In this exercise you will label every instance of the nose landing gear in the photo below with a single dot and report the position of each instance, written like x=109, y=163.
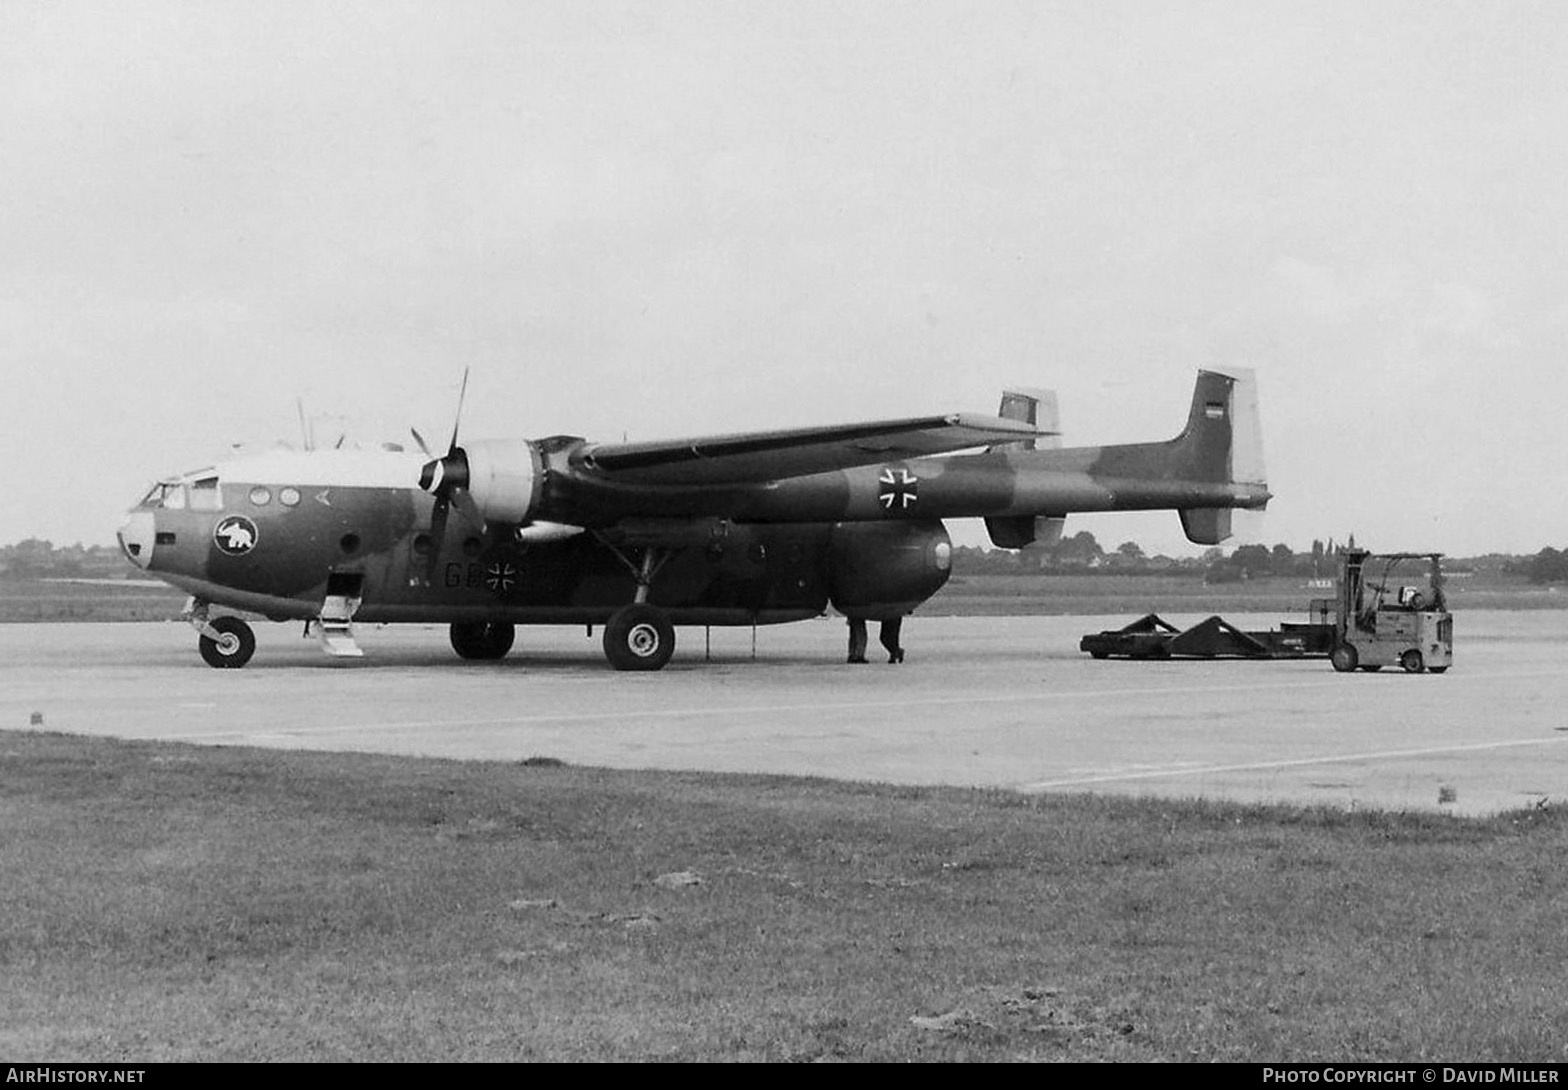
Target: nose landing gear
x=226, y=643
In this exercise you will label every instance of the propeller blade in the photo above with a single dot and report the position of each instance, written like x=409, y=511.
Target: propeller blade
x=438, y=515
x=467, y=507
x=462, y=393
x=446, y=478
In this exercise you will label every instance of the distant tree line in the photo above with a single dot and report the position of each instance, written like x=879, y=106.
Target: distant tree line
x=38, y=559
x=1081, y=553
x=1262, y=561
x=1545, y=567
x=35, y=558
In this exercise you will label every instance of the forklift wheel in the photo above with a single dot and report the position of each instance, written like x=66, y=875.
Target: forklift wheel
x=1412, y=662
x=1343, y=658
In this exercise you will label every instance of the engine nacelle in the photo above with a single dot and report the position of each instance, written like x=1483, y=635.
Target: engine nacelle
x=505, y=478
x=880, y=570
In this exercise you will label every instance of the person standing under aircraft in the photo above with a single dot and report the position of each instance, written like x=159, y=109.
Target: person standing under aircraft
x=857, y=640
x=889, y=637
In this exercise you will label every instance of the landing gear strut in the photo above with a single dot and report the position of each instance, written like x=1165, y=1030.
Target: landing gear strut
x=640, y=636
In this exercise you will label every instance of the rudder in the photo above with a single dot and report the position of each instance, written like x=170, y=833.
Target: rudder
x=1030, y=405
x=1224, y=437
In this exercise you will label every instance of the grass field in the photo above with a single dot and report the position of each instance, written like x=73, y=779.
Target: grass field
x=163, y=902
x=42, y=600
x=964, y=595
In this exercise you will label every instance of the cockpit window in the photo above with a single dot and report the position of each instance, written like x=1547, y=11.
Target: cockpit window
x=205, y=495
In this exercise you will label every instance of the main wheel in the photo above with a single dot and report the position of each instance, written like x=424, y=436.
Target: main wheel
x=1412, y=662
x=639, y=637
x=483, y=639
x=1343, y=657
x=235, y=644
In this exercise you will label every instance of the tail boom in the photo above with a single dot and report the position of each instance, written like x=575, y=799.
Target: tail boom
x=1214, y=465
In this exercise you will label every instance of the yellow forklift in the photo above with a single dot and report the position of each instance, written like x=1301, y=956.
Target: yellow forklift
x=1392, y=611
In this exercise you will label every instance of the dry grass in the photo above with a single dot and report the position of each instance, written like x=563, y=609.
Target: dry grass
x=36, y=601
x=162, y=902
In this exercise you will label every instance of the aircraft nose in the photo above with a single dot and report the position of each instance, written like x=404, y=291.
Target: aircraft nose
x=137, y=534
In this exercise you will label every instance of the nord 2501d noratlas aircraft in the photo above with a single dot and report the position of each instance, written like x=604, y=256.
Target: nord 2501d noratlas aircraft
x=749, y=529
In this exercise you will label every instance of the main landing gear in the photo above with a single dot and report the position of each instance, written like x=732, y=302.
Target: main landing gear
x=640, y=636
x=483, y=640
x=226, y=643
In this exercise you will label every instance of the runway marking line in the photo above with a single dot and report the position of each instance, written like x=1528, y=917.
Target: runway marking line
x=1264, y=766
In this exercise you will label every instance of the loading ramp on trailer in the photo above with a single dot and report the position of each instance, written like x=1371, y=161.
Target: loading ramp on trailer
x=1153, y=637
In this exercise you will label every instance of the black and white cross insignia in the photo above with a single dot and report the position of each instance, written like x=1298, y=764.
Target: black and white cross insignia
x=500, y=576
x=898, y=488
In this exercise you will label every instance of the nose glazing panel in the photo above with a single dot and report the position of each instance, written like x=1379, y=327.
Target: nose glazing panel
x=136, y=538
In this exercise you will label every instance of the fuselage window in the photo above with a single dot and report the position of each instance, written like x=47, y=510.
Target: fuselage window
x=174, y=497
x=205, y=495
x=288, y=496
x=261, y=495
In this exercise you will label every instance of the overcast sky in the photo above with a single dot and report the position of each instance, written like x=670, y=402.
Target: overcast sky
x=657, y=219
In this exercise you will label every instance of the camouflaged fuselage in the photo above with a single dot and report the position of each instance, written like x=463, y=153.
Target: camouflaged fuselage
x=278, y=533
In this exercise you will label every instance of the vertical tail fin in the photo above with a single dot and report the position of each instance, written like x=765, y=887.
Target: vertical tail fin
x=1031, y=405
x=1224, y=439
x=1036, y=406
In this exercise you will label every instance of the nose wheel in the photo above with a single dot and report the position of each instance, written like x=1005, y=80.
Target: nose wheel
x=227, y=643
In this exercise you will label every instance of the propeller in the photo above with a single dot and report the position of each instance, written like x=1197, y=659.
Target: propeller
x=446, y=479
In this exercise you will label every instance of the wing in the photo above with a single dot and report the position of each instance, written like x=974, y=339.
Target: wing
x=757, y=457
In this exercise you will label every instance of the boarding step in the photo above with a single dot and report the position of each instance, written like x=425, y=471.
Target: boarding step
x=335, y=626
